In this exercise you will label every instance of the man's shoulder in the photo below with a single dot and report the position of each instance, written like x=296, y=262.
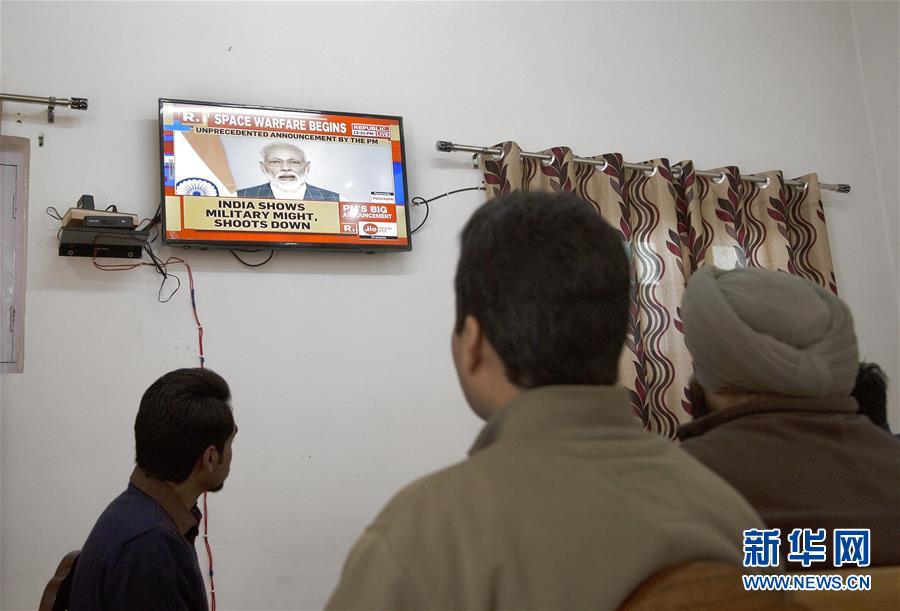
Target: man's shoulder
x=702, y=486
x=255, y=191
x=131, y=521
x=757, y=429
x=783, y=437
x=435, y=493
x=122, y=540
x=700, y=437
x=315, y=192
x=133, y=553
x=128, y=517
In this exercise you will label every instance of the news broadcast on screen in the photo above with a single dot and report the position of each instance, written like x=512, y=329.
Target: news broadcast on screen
x=280, y=178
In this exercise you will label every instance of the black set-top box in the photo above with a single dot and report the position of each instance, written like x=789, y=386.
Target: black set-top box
x=109, y=222
x=101, y=242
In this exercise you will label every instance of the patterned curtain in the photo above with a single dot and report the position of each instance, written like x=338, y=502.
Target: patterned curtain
x=672, y=224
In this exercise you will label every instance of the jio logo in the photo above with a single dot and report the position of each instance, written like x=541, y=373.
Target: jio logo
x=370, y=228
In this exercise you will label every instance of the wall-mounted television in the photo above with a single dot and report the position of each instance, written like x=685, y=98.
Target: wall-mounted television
x=238, y=176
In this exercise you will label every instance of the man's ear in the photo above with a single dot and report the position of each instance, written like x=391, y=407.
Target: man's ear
x=209, y=459
x=471, y=345
x=262, y=167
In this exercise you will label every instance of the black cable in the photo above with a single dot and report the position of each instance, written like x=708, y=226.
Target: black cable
x=151, y=227
x=163, y=284
x=157, y=262
x=418, y=201
x=478, y=188
x=153, y=221
x=160, y=265
x=269, y=258
x=163, y=270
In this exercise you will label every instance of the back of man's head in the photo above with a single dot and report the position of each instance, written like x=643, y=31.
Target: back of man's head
x=870, y=393
x=181, y=414
x=547, y=279
x=762, y=331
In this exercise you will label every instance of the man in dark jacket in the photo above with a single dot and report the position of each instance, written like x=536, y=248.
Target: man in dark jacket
x=140, y=554
x=775, y=359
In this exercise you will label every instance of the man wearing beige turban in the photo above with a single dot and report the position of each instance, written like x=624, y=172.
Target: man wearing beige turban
x=775, y=359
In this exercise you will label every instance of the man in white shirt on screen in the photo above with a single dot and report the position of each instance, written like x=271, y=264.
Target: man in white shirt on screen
x=286, y=168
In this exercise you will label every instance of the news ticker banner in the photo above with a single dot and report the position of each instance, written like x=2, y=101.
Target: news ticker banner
x=287, y=125
x=267, y=216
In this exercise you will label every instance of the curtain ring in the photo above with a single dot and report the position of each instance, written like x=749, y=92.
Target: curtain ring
x=676, y=171
x=602, y=168
x=766, y=184
x=547, y=162
x=805, y=186
x=651, y=173
x=721, y=178
x=502, y=155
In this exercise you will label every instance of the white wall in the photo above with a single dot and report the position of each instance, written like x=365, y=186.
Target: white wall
x=876, y=26
x=331, y=426
x=2, y=463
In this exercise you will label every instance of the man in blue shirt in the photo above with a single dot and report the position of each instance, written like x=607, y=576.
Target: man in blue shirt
x=140, y=554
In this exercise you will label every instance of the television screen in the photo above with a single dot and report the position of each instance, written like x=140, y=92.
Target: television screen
x=263, y=177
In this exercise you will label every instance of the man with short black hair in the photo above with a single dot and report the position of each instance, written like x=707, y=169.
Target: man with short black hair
x=565, y=501
x=140, y=554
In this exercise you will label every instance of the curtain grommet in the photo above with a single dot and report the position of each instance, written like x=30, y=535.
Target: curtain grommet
x=499, y=157
x=601, y=167
x=721, y=178
x=548, y=162
x=651, y=173
x=765, y=184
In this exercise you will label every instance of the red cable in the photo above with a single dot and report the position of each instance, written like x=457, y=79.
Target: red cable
x=212, y=582
x=209, y=554
x=119, y=267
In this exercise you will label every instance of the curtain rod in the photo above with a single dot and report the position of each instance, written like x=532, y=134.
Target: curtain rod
x=450, y=147
x=50, y=103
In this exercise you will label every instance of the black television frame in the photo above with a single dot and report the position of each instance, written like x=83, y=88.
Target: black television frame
x=299, y=246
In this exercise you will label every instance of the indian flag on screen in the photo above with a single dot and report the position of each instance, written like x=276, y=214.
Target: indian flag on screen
x=201, y=166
